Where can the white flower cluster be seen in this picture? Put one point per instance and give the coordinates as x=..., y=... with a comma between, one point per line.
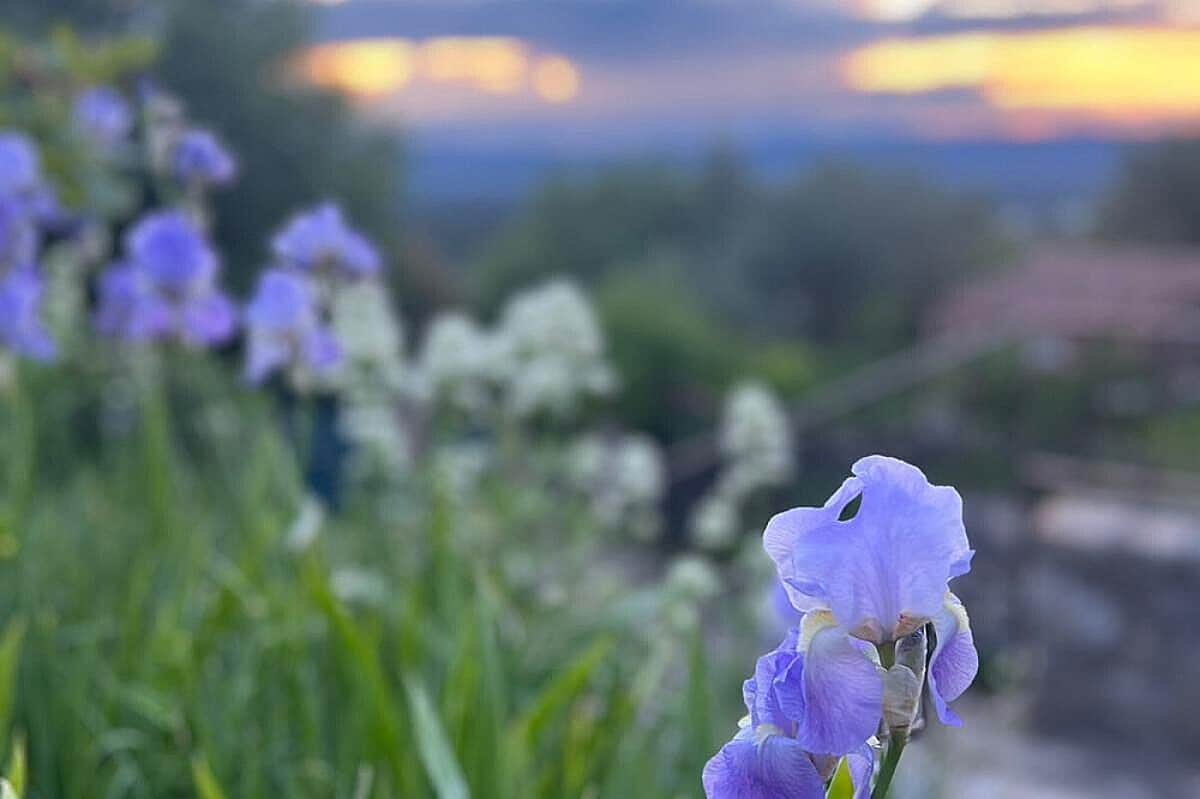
x=457, y=364
x=545, y=356
x=624, y=479
x=755, y=441
x=551, y=351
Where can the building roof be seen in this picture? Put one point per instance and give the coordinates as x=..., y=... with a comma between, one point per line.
x=1081, y=292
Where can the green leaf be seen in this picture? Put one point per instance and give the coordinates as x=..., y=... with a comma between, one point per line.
x=841, y=787
x=561, y=691
x=10, y=660
x=432, y=744
x=205, y=781
x=17, y=766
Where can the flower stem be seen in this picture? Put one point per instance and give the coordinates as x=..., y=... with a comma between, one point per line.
x=890, y=761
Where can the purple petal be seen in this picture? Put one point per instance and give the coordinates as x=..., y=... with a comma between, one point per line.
x=21, y=328
x=787, y=531
x=778, y=768
x=861, y=763
x=201, y=158
x=835, y=694
x=283, y=301
x=320, y=238
x=103, y=115
x=20, y=167
x=955, y=661
x=170, y=249
x=129, y=307
x=208, y=319
x=265, y=353
x=321, y=350
x=883, y=572
x=760, y=691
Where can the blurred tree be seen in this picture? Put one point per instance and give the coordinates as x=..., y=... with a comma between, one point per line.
x=853, y=258
x=849, y=257
x=1157, y=196
x=585, y=228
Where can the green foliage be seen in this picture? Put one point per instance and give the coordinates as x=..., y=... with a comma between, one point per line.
x=675, y=359
x=37, y=84
x=195, y=653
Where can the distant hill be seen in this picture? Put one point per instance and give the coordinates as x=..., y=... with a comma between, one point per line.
x=1033, y=176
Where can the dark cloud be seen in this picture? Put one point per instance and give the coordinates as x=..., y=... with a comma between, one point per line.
x=616, y=29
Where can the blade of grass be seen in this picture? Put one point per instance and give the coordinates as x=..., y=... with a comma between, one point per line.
x=432, y=745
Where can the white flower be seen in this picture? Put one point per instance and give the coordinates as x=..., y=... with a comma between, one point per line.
x=624, y=478
x=307, y=524
x=380, y=441
x=551, y=350
x=715, y=520
x=368, y=331
x=461, y=467
x=457, y=362
x=756, y=441
x=693, y=576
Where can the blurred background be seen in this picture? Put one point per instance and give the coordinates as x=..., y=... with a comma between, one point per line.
x=962, y=232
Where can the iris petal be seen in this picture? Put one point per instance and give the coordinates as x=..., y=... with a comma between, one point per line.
x=861, y=763
x=786, y=535
x=842, y=695
x=883, y=573
x=955, y=661
x=777, y=768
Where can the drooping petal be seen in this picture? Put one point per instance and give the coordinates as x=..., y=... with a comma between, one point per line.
x=883, y=572
x=760, y=692
x=265, y=352
x=834, y=692
x=861, y=763
x=322, y=351
x=208, y=319
x=955, y=661
x=777, y=768
x=21, y=328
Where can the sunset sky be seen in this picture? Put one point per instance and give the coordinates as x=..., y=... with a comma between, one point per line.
x=941, y=69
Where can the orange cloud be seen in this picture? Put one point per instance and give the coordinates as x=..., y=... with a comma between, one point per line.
x=374, y=68
x=1124, y=75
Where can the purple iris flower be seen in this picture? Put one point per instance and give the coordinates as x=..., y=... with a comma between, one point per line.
x=166, y=287
x=21, y=292
x=884, y=573
x=20, y=168
x=790, y=747
x=104, y=116
x=320, y=240
x=18, y=234
x=284, y=328
x=21, y=328
x=201, y=160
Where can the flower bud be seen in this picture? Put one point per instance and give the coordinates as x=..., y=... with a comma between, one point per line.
x=903, y=683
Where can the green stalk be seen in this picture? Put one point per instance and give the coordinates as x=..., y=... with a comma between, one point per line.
x=890, y=761
x=898, y=740
x=156, y=455
x=22, y=446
